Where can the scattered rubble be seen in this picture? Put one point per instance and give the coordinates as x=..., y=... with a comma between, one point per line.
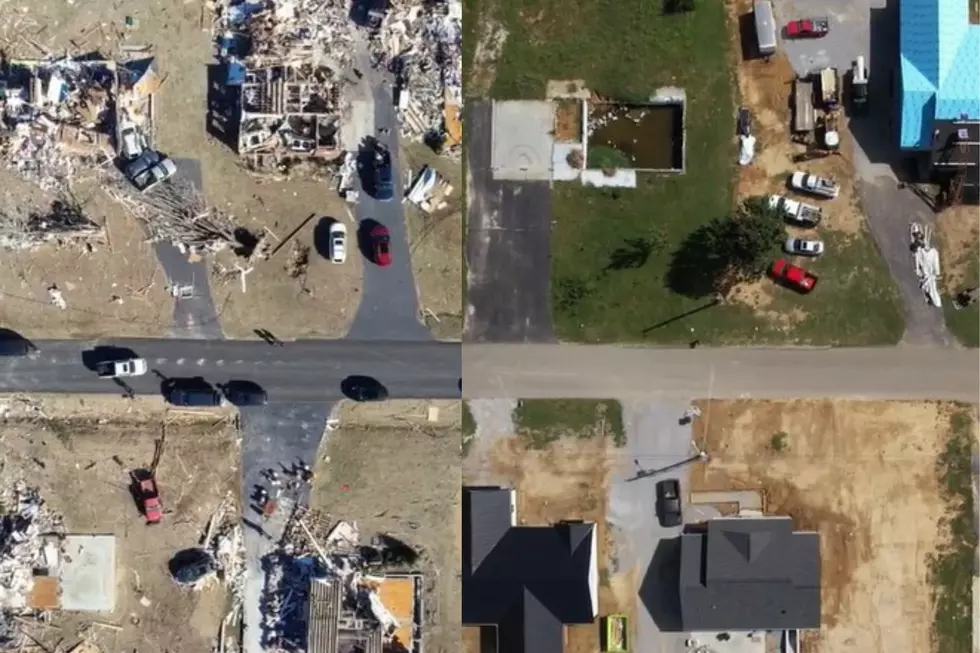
x=317, y=563
x=64, y=221
x=429, y=191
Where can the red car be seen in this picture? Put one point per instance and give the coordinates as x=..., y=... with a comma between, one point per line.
x=381, y=245
x=807, y=28
x=150, y=501
x=793, y=276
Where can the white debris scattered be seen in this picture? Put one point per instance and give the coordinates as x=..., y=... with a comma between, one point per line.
x=56, y=297
x=428, y=190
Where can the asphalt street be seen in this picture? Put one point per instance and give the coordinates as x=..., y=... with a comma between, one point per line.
x=588, y=371
x=301, y=371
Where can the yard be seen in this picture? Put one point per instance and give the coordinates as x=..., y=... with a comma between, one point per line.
x=887, y=486
x=959, y=240
x=77, y=453
x=613, y=249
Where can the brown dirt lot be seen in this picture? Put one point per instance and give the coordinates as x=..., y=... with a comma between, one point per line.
x=863, y=475
x=81, y=481
x=567, y=479
x=404, y=482
x=959, y=234
x=436, y=243
x=183, y=55
x=568, y=121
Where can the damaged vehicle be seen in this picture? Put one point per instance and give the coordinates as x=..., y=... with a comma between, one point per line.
x=132, y=143
x=149, y=169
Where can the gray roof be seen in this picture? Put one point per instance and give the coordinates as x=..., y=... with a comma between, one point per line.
x=527, y=580
x=750, y=574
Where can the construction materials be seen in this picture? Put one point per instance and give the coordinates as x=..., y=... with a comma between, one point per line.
x=926, y=259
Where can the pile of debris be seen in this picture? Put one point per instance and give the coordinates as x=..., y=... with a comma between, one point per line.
x=64, y=221
x=55, y=117
x=341, y=558
x=25, y=550
x=421, y=44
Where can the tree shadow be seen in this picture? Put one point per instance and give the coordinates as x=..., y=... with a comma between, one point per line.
x=321, y=236
x=634, y=253
x=696, y=271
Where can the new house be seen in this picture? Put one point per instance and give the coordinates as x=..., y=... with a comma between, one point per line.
x=527, y=582
x=744, y=574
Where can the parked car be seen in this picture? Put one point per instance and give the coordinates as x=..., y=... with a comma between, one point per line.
x=149, y=169
x=195, y=392
x=808, y=183
x=803, y=247
x=149, y=496
x=380, y=245
x=338, y=242
x=744, y=122
x=384, y=184
x=245, y=393
x=669, y=503
x=793, y=276
x=796, y=212
x=859, y=87
x=132, y=143
x=807, y=28
x=121, y=369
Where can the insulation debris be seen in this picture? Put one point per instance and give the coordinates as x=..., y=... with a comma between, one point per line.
x=323, y=590
x=421, y=45
x=429, y=191
x=29, y=543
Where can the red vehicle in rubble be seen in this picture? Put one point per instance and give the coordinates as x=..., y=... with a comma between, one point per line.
x=793, y=276
x=149, y=497
x=807, y=28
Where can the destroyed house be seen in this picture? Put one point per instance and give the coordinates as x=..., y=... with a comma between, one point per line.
x=749, y=574
x=526, y=581
x=331, y=628
x=289, y=111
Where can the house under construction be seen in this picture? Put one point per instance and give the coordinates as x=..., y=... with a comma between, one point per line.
x=289, y=112
x=333, y=628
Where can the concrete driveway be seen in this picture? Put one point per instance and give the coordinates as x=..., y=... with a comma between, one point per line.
x=654, y=440
x=508, y=245
x=870, y=28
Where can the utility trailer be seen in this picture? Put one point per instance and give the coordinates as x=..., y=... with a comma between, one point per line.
x=829, y=88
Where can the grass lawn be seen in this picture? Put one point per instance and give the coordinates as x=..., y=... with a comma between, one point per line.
x=545, y=420
x=965, y=323
x=952, y=567
x=627, y=49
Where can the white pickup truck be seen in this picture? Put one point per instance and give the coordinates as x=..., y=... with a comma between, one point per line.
x=119, y=369
x=796, y=212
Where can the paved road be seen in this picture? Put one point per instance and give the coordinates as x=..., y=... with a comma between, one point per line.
x=301, y=371
x=508, y=246
x=537, y=371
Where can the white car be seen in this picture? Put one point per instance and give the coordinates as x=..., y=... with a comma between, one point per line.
x=803, y=247
x=121, y=369
x=807, y=183
x=338, y=242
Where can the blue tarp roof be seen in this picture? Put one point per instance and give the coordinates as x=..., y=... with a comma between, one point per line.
x=940, y=63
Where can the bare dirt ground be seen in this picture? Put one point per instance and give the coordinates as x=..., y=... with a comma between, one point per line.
x=178, y=30
x=490, y=39
x=568, y=121
x=863, y=475
x=404, y=482
x=567, y=479
x=81, y=480
x=436, y=243
x=115, y=287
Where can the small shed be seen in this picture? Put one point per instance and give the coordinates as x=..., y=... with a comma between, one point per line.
x=765, y=27
x=803, y=117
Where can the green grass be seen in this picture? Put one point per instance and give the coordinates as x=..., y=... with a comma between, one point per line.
x=626, y=49
x=546, y=420
x=965, y=323
x=605, y=158
x=469, y=428
x=951, y=568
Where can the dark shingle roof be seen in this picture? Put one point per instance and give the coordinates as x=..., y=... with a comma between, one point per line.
x=750, y=574
x=530, y=580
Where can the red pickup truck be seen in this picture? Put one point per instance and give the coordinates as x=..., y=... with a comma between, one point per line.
x=793, y=276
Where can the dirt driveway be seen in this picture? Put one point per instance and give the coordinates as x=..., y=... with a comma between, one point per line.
x=404, y=482
x=85, y=448
x=863, y=475
x=565, y=479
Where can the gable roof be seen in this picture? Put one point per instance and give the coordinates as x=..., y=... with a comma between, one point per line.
x=940, y=67
x=750, y=574
x=527, y=580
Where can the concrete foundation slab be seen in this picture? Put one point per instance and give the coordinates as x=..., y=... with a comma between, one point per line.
x=619, y=179
x=88, y=573
x=561, y=170
x=522, y=141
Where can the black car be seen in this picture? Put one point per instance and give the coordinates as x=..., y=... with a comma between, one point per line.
x=363, y=388
x=384, y=184
x=669, y=503
x=744, y=122
x=194, y=392
x=245, y=393
x=18, y=347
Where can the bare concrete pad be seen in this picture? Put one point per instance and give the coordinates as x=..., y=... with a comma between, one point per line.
x=522, y=140
x=88, y=573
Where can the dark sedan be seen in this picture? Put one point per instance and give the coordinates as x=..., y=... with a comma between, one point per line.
x=669, y=503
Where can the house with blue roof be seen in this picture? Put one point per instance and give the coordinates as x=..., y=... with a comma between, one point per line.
x=940, y=87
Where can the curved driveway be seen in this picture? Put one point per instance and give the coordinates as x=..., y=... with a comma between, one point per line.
x=588, y=371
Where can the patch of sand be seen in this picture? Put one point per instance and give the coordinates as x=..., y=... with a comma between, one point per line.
x=568, y=121
x=959, y=232
x=863, y=475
